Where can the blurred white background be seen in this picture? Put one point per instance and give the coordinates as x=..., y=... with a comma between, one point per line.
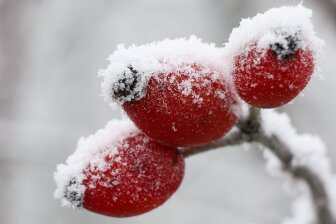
x=50, y=52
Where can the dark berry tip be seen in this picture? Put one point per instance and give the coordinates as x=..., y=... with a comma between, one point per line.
x=128, y=87
x=286, y=49
x=73, y=193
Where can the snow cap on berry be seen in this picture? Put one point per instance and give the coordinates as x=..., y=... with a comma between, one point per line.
x=69, y=176
x=283, y=30
x=126, y=76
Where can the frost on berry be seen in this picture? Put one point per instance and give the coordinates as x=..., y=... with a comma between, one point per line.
x=130, y=69
x=69, y=176
x=141, y=176
x=183, y=110
x=187, y=99
x=284, y=30
x=119, y=172
x=273, y=55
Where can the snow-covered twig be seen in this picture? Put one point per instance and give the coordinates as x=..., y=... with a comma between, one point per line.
x=251, y=130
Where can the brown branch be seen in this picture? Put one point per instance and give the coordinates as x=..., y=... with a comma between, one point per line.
x=315, y=184
x=250, y=130
x=318, y=191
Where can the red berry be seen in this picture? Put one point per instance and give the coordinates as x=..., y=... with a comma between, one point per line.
x=185, y=108
x=272, y=78
x=131, y=177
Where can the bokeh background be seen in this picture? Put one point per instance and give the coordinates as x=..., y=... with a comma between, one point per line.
x=50, y=52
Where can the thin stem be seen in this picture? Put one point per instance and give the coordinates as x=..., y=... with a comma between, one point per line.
x=318, y=191
x=234, y=138
x=277, y=147
x=315, y=184
x=250, y=130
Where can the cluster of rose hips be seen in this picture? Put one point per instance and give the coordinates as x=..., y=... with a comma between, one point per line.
x=169, y=118
x=173, y=119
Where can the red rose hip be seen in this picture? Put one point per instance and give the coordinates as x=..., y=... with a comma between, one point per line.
x=272, y=77
x=127, y=178
x=184, y=108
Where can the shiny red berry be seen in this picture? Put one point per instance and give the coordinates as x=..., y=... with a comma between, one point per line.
x=271, y=78
x=131, y=177
x=184, y=108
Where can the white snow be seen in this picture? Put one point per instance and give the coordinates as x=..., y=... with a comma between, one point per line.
x=272, y=27
x=162, y=57
x=308, y=150
x=302, y=210
x=273, y=164
x=73, y=169
x=179, y=55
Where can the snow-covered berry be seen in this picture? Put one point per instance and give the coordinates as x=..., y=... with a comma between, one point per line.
x=180, y=109
x=119, y=175
x=272, y=78
x=273, y=55
x=175, y=91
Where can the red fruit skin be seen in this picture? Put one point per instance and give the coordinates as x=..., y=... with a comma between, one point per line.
x=265, y=81
x=141, y=177
x=173, y=118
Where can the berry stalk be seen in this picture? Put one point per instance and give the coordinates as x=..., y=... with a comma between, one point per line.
x=251, y=130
